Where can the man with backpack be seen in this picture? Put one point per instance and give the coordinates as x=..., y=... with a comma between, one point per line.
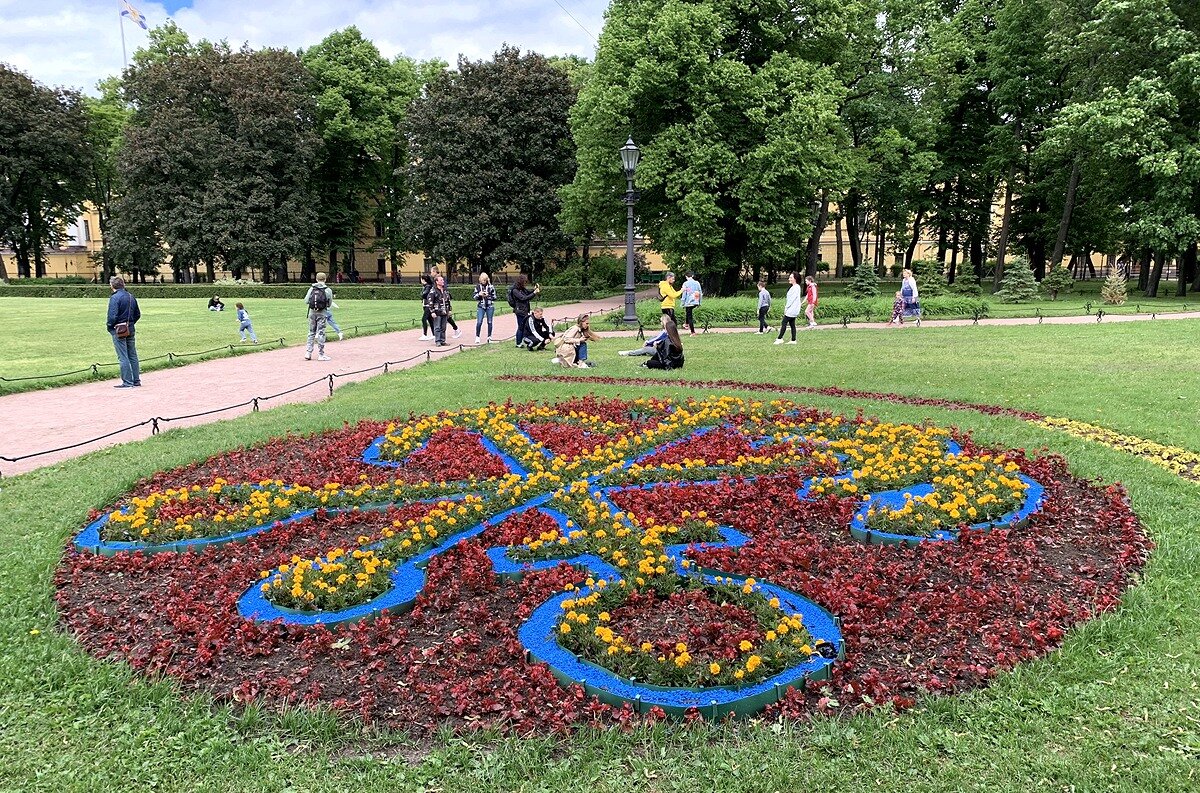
x=318, y=299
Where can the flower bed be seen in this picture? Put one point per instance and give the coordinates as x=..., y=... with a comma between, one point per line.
x=712, y=582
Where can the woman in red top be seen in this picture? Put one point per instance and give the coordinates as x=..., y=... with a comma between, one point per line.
x=810, y=301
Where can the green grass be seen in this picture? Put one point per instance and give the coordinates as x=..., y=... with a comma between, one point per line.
x=53, y=335
x=1116, y=708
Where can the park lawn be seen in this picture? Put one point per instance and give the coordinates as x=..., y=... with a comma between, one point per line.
x=52, y=335
x=1115, y=708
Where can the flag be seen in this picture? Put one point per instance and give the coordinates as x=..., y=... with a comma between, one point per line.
x=134, y=15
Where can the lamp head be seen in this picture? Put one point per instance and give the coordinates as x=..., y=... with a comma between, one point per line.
x=630, y=154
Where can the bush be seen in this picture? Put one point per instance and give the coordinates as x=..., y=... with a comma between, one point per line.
x=1018, y=284
x=743, y=311
x=293, y=291
x=968, y=288
x=1114, y=290
x=930, y=277
x=66, y=279
x=1059, y=279
x=865, y=283
x=606, y=271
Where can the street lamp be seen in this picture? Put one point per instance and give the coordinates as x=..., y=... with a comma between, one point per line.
x=629, y=160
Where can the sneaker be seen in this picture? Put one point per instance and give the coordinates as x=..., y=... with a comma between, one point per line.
x=123, y=385
x=555, y=359
x=760, y=332
x=324, y=357
x=791, y=342
x=308, y=356
x=457, y=333
x=426, y=338
x=581, y=365
x=477, y=340
x=624, y=353
x=340, y=336
x=812, y=324
x=779, y=341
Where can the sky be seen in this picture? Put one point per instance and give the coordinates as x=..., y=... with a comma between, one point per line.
x=76, y=43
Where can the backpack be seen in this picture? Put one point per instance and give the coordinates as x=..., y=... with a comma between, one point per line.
x=318, y=299
x=511, y=302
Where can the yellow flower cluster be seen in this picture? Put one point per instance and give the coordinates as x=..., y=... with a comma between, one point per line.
x=1179, y=461
x=407, y=539
x=966, y=490
x=336, y=581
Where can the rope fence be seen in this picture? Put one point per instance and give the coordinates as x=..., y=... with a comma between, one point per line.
x=156, y=422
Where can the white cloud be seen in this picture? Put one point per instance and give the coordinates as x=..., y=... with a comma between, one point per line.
x=75, y=43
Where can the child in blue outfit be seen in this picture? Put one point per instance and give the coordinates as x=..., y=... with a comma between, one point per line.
x=244, y=325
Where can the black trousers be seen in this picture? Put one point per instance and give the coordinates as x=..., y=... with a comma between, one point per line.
x=688, y=319
x=762, y=319
x=669, y=312
x=786, y=322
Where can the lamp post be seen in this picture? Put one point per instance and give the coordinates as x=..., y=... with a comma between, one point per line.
x=629, y=159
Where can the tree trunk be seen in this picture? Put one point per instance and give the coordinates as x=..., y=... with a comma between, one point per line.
x=839, y=262
x=1187, y=270
x=1005, y=226
x=1160, y=259
x=210, y=271
x=916, y=236
x=1144, y=270
x=3, y=271
x=1064, y=224
x=950, y=274
x=880, y=258
x=333, y=267
x=853, y=233
x=587, y=257
x=814, y=241
x=977, y=257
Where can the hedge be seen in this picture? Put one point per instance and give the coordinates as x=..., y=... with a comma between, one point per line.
x=459, y=293
x=743, y=311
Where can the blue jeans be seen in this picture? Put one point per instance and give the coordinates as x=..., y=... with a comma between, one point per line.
x=480, y=313
x=329, y=321
x=581, y=352
x=127, y=357
x=244, y=328
x=522, y=323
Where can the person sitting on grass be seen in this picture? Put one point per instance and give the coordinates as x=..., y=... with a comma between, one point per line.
x=646, y=349
x=572, y=345
x=537, y=332
x=244, y=325
x=215, y=304
x=668, y=352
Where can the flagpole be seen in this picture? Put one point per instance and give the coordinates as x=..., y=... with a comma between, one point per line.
x=121, y=22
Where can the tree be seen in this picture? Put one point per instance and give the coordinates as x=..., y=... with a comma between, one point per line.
x=1058, y=279
x=735, y=107
x=106, y=118
x=1019, y=284
x=865, y=282
x=1113, y=291
x=491, y=147
x=362, y=99
x=42, y=163
x=217, y=158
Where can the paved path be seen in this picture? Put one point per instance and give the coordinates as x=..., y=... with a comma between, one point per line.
x=72, y=414
x=65, y=416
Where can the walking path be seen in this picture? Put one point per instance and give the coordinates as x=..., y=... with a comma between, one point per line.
x=71, y=415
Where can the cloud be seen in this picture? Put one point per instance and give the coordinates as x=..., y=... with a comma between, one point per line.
x=75, y=43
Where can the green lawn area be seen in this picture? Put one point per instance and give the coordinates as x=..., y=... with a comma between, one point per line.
x=52, y=335
x=1116, y=708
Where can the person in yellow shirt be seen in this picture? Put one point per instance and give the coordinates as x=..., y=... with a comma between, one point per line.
x=669, y=294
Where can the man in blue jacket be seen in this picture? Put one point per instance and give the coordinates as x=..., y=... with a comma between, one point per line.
x=123, y=314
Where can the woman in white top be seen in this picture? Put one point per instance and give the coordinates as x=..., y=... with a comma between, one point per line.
x=908, y=291
x=792, y=306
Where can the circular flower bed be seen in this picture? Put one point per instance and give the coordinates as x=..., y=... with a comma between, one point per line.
x=546, y=565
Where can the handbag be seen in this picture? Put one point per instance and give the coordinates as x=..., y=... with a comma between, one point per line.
x=123, y=330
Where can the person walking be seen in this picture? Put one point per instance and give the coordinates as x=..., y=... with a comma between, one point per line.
x=318, y=299
x=668, y=352
x=691, y=293
x=123, y=314
x=437, y=303
x=519, y=295
x=908, y=290
x=791, y=309
x=485, y=301
x=426, y=317
x=329, y=317
x=764, y=306
x=810, y=301
x=669, y=294
x=572, y=347
x=244, y=324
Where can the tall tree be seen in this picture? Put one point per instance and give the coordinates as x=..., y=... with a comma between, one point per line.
x=42, y=166
x=218, y=157
x=491, y=147
x=107, y=116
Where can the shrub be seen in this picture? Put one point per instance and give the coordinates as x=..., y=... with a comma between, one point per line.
x=866, y=282
x=743, y=311
x=968, y=288
x=1059, y=279
x=1018, y=284
x=293, y=291
x=930, y=277
x=1113, y=291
